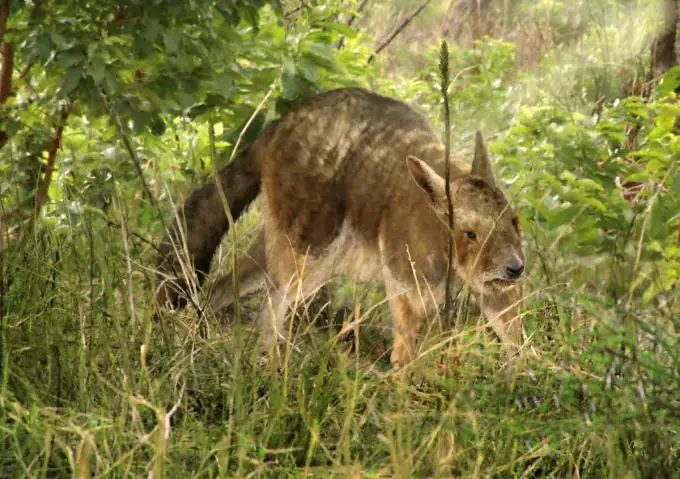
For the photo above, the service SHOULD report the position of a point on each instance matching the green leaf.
(69, 58)
(12, 127)
(662, 211)
(151, 28)
(319, 53)
(293, 86)
(562, 217)
(339, 27)
(676, 184)
(197, 110)
(172, 40)
(140, 120)
(97, 69)
(597, 204)
(157, 126)
(308, 69)
(165, 85)
(224, 84)
(43, 46)
(638, 176)
(70, 80)
(670, 82)
(214, 99)
(587, 183)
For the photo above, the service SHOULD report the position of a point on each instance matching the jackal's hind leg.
(286, 284)
(295, 277)
(251, 276)
(272, 320)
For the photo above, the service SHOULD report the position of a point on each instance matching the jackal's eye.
(515, 222)
(471, 235)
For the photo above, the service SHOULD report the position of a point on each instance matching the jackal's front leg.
(408, 313)
(405, 325)
(251, 276)
(502, 311)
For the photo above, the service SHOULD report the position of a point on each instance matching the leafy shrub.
(600, 190)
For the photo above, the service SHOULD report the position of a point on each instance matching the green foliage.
(123, 70)
(599, 190)
(118, 394)
(91, 386)
(478, 93)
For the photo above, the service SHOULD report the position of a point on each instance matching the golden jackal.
(352, 184)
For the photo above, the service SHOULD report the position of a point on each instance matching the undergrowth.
(90, 389)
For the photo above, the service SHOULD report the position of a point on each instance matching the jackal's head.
(487, 241)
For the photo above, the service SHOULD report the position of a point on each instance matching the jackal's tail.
(198, 227)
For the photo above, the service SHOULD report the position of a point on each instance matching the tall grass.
(92, 387)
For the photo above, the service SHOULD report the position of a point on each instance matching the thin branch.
(398, 30)
(3, 230)
(55, 144)
(223, 197)
(128, 260)
(133, 156)
(351, 20)
(6, 71)
(287, 15)
(444, 72)
(4, 16)
(6, 65)
(360, 9)
(133, 234)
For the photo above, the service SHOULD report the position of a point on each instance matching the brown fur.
(352, 184)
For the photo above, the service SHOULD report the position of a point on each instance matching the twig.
(444, 72)
(398, 30)
(7, 64)
(295, 10)
(2, 284)
(41, 197)
(128, 262)
(351, 20)
(6, 71)
(223, 196)
(133, 234)
(133, 156)
(360, 8)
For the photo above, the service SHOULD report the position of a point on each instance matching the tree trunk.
(665, 55)
(6, 64)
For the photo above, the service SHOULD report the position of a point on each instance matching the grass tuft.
(91, 388)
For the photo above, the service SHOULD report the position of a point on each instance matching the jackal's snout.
(515, 268)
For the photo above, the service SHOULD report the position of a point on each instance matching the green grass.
(91, 389)
(91, 386)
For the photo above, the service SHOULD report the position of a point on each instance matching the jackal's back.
(340, 157)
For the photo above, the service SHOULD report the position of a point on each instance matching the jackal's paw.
(263, 360)
(268, 342)
(270, 350)
(269, 358)
(401, 355)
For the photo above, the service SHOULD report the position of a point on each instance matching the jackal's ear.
(428, 180)
(481, 164)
